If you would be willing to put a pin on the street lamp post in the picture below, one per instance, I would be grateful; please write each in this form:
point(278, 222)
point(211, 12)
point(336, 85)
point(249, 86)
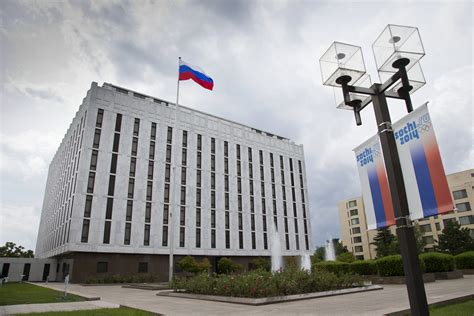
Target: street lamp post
point(397, 51)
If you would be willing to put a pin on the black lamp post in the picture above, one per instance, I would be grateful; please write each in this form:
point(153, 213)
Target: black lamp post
point(397, 51)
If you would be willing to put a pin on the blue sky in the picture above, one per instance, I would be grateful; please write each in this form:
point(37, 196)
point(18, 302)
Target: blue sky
point(263, 57)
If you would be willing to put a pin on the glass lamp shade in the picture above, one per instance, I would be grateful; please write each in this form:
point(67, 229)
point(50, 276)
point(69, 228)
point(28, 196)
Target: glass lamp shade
point(415, 78)
point(341, 60)
point(397, 42)
point(364, 82)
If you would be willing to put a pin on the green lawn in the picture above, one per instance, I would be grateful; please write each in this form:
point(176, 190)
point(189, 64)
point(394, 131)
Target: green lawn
point(25, 293)
point(122, 311)
point(458, 309)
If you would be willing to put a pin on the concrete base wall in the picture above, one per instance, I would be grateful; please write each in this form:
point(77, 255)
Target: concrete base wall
point(86, 264)
point(37, 271)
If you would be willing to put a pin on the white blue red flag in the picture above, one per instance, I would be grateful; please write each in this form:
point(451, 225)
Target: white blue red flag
point(423, 173)
point(187, 71)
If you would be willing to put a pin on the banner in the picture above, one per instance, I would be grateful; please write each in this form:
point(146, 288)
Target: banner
point(423, 173)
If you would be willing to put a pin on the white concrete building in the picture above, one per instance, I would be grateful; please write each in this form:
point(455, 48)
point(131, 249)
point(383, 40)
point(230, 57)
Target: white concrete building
point(122, 163)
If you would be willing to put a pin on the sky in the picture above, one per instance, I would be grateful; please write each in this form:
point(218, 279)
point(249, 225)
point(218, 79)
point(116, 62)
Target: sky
point(264, 59)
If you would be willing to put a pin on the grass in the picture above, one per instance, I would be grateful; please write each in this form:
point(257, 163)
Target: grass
point(122, 311)
point(458, 309)
point(25, 293)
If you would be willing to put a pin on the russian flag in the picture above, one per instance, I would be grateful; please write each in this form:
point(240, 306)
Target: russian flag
point(187, 71)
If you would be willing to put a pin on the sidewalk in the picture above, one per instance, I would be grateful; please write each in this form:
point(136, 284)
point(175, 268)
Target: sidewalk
point(54, 307)
point(391, 299)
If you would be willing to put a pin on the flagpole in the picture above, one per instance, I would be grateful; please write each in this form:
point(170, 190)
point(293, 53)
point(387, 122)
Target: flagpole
point(173, 191)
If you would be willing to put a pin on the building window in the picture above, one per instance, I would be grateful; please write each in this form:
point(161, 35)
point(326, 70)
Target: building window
point(143, 267)
point(88, 206)
point(213, 238)
point(96, 139)
point(459, 194)
point(100, 117)
point(463, 207)
point(136, 127)
point(358, 249)
point(198, 237)
point(102, 267)
point(128, 230)
point(428, 239)
point(85, 231)
point(356, 230)
point(90, 182)
point(133, 166)
point(466, 220)
point(438, 226)
point(153, 131)
point(115, 146)
point(118, 122)
point(128, 216)
point(107, 232)
point(95, 153)
point(357, 239)
point(352, 203)
point(425, 228)
point(181, 236)
point(109, 208)
point(355, 221)
point(113, 164)
point(146, 239)
point(164, 242)
point(354, 212)
point(448, 220)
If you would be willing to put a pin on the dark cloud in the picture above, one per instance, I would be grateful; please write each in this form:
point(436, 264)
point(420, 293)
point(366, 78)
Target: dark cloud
point(263, 57)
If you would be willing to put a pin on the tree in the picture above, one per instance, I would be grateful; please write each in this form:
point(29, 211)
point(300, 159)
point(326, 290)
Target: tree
point(386, 243)
point(189, 264)
point(319, 254)
point(227, 266)
point(338, 247)
point(454, 239)
point(346, 257)
point(420, 242)
point(12, 250)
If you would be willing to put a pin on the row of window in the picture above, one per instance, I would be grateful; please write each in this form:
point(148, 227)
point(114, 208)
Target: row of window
point(128, 219)
point(59, 200)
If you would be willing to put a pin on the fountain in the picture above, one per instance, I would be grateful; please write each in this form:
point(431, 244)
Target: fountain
point(329, 252)
point(277, 262)
point(305, 262)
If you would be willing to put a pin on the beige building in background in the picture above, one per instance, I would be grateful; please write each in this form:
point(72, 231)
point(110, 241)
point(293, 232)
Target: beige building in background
point(357, 238)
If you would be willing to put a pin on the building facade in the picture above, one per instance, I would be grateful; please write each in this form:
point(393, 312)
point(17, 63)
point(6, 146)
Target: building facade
point(358, 239)
point(134, 175)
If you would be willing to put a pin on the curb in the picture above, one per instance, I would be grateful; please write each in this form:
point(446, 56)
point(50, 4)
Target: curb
point(269, 300)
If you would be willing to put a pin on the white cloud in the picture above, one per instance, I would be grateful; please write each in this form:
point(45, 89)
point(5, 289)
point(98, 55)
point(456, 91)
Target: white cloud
point(21, 226)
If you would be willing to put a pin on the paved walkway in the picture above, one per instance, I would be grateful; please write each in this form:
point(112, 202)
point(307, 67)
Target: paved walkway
point(391, 299)
point(54, 307)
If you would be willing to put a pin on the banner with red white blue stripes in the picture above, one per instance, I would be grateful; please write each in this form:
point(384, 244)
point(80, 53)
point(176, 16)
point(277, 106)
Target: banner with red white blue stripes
point(423, 172)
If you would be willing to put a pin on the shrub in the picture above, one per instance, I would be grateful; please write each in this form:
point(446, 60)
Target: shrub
point(261, 263)
point(332, 266)
point(260, 283)
point(227, 266)
point(393, 266)
point(364, 267)
point(438, 262)
point(465, 260)
point(346, 257)
point(189, 264)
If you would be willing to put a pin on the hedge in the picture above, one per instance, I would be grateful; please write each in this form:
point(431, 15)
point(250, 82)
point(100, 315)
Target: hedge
point(393, 266)
point(335, 267)
point(124, 278)
point(364, 267)
point(438, 262)
point(465, 260)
